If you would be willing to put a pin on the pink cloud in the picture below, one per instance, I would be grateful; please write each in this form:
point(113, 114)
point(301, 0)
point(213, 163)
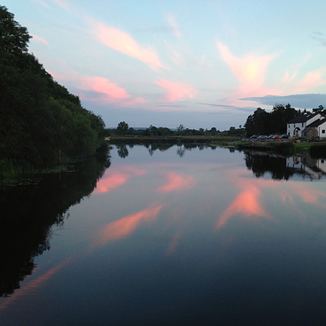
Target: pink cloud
point(30, 286)
point(246, 203)
point(176, 91)
point(176, 182)
point(311, 80)
point(109, 91)
point(250, 70)
point(106, 87)
point(123, 42)
point(126, 225)
point(39, 39)
point(111, 182)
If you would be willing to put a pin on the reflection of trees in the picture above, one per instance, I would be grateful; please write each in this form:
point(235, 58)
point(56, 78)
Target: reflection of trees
point(28, 212)
point(122, 151)
point(181, 151)
point(262, 163)
point(282, 167)
point(181, 148)
point(158, 146)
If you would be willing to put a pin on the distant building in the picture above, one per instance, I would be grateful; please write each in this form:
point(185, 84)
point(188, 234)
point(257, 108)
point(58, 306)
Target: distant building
point(309, 125)
point(317, 129)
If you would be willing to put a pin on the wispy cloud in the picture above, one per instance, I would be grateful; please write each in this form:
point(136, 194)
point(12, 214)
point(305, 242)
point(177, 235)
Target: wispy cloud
point(247, 203)
point(64, 4)
point(40, 39)
point(33, 284)
point(297, 100)
point(176, 182)
point(106, 91)
point(126, 44)
point(319, 37)
point(311, 80)
point(126, 225)
point(173, 24)
point(176, 91)
point(250, 70)
point(113, 180)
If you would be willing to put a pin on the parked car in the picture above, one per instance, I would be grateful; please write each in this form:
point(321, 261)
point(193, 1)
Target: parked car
point(262, 138)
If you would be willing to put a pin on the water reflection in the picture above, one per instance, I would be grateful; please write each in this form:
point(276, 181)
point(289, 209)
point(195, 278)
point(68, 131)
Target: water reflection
point(126, 225)
point(176, 182)
point(247, 203)
point(285, 167)
point(122, 150)
point(29, 212)
point(116, 178)
point(164, 236)
point(34, 284)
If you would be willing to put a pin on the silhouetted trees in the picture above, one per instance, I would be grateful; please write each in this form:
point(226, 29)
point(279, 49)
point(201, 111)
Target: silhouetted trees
point(122, 127)
point(41, 123)
point(28, 212)
point(274, 122)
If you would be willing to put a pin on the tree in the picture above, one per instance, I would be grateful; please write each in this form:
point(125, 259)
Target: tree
point(41, 123)
point(13, 38)
point(122, 127)
point(264, 123)
point(180, 129)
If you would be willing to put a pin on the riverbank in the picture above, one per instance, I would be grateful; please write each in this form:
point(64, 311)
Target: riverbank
point(15, 173)
point(285, 147)
point(220, 140)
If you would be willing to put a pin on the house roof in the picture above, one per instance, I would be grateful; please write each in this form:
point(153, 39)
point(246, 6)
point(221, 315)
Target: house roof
point(303, 118)
point(316, 123)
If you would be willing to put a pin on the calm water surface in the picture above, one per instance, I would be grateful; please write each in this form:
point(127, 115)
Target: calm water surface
point(168, 235)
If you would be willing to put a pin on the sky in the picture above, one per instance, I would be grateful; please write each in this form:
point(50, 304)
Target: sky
point(200, 63)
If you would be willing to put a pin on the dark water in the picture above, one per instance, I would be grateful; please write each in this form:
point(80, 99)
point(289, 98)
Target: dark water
point(168, 235)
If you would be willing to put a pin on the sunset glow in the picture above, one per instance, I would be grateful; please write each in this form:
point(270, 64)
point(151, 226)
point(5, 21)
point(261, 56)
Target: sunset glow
point(176, 182)
point(247, 203)
point(34, 284)
point(140, 62)
point(126, 225)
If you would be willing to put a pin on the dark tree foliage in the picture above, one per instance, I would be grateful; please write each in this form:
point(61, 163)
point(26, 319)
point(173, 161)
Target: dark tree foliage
point(274, 122)
point(122, 127)
point(22, 238)
point(261, 164)
point(41, 123)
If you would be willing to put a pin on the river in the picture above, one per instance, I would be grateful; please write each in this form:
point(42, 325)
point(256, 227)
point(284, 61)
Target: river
point(168, 235)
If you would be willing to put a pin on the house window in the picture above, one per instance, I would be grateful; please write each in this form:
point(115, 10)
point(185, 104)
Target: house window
point(323, 131)
point(302, 124)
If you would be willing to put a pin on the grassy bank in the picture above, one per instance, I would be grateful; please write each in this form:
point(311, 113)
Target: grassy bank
point(284, 147)
point(14, 173)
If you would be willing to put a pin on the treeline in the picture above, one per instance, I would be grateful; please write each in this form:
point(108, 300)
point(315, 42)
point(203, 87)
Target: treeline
point(123, 129)
point(274, 122)
point(41, 123)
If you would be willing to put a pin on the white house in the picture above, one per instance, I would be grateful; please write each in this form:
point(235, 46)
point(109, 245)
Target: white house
point(317, 129)
point(297, 125)
point(321, 165)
